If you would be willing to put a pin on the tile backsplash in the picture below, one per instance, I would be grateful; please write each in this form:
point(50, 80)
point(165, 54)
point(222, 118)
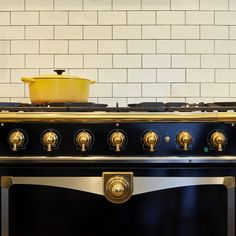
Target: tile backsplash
point(136, 50)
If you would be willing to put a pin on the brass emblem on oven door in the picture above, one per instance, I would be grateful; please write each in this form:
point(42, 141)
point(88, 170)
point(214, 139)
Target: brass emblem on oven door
point(118, 186)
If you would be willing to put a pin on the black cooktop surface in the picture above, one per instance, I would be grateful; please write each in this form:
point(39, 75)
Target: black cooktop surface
point(135, 107)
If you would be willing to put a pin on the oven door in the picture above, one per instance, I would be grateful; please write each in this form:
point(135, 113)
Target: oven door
point(117, 203)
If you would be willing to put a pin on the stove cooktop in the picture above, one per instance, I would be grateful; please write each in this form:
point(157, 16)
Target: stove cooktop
point(136, 107)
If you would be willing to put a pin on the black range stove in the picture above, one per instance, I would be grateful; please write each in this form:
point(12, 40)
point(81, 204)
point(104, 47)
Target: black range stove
point(151, 168)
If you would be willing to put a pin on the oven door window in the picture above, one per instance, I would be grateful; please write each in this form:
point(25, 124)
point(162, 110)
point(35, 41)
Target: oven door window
point(200, 210)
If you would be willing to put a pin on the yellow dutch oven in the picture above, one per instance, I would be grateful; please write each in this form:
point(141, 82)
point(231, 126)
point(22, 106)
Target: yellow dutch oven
point(58, 88)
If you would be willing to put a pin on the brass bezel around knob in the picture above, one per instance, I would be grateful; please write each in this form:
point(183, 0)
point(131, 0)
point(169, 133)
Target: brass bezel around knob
point(218, 140)
point(117, 140)
point(184, 139)
point(16, 139)
point(83, 139)
point(50, 140)
point(151, 140)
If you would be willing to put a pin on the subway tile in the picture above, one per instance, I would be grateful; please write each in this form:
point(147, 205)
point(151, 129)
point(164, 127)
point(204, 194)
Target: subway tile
point(17, 74)
point(97, 61)
point(5, 18)
point(156, 61)
point(170, 75)
point(199, 46)
point(226, 75)
point(232, 91)
point(232, 32)
point(83, 18)
point(53, 18)
point(141, 46)
point(5, 76)
point(200, 17)
point(185, 32)
point(112, 46)
point(141, 17)
point(141, 75)
point(12, 32)
point(213, 4)
point(21, 100)
point(185, 90)
point(225, 17)
point(24, 18)
point(12, 90)
point(229, 99)
point(155, 4)
point(141, 99)
point(225, 46)
point(112, 18)
point(184, 4)
point(126, 32)
point(53, 46)
point(156, 32)
point(155, 89)
point(215, 61)
point(185, 61)
point(100, 90)
point(127, 61)
point(112, 102)
point(112, 75)
point(85, 73)
point(126, 5)
point(232, 61)
point(214, 90)
point(97, 32)
point(12, 61)
point(200, 75)
point(170, 46)
point(12, 5)
point(170, 17)
point(232, 5)
point(4, 47)
point(126, 90)
point(99, 5)
point(39, 61)
point(214, 32)
point(39, 32)
point(68, 61)
point(68, 5)
point(24, 46)
point(199, 100)
point(35, 5)
point(82, 46)
point(68, 32)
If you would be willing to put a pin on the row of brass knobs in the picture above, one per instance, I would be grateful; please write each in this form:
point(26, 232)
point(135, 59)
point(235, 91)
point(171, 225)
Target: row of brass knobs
point(117, 140)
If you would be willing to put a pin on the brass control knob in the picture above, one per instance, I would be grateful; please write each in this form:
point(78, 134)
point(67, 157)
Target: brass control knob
point(218, 140)
point(16, 140)
point(50, 140)
point(83, 139)
point(184, 139)
point(117, 140)
point(151, 139)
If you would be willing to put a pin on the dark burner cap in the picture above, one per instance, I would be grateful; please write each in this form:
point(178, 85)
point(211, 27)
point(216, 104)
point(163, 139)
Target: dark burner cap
point(13, 104)
point(73, 104)
point(147, 104)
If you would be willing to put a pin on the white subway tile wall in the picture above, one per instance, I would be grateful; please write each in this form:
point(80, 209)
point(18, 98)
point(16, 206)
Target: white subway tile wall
point(135, 50)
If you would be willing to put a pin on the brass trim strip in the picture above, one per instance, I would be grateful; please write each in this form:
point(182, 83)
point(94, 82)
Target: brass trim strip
point(103, 117)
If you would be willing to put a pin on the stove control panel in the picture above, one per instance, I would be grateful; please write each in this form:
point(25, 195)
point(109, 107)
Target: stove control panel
point(117, 139)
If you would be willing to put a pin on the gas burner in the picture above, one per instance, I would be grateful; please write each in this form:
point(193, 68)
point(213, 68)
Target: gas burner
point(13, 104)
point(70, 104)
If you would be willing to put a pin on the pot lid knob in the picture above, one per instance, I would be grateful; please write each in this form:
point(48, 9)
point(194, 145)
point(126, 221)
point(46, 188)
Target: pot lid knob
point(59, 72)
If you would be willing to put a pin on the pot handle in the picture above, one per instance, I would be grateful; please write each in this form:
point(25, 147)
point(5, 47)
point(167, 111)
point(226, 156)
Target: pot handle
point(27, 79)
point(92, 81)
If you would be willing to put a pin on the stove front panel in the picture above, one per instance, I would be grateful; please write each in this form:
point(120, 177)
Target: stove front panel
point(132, 136)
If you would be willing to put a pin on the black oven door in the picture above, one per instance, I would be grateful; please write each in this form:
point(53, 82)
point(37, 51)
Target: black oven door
point(154, 206)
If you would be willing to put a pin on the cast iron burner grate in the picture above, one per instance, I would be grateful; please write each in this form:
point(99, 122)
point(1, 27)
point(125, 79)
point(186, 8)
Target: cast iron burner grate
point(137, 107)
